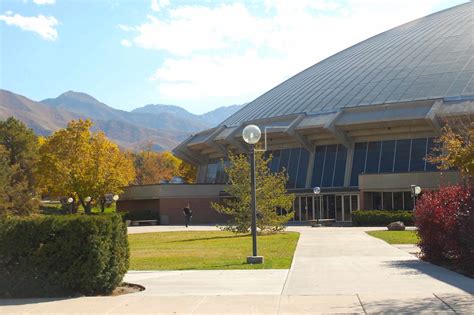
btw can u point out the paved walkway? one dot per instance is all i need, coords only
(335, 270)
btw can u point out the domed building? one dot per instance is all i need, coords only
(358, 124)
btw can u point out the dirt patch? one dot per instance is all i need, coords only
(127, 288)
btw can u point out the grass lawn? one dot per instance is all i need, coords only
(396, 237)
(208, 250)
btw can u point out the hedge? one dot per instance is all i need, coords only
(133, 215)
(49, 256)
(381, 217)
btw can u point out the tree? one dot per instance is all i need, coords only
(18, 158)
(21, 145)
(15, 195)
(455, 150)
(77, 163)
(152, 167)
(271, 195)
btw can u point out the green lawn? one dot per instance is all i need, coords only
(396, 237)
(208, 250)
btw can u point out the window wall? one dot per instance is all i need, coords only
(295, 162)
(393, 156)
(329, 166)
(215, 173)
(399, 200)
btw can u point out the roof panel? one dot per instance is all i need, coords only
(409, 62)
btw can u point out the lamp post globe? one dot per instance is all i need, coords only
(251, 134)
(317, 190)
(88, 199)
(417, 190)
(115, 197)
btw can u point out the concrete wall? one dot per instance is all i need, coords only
(201, 207)
(402, 181)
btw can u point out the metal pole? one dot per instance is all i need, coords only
(253, 202)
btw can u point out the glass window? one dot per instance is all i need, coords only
(402, 156)
(397, 201)
(377, 201)
(358, 162)
(386, 158)
(431, 146)
(302, 169)
(387, 201)
(275, 161)
(354, 203)
(340, 170)
(293, 167)
(284, 159)
(329, 163)
(418, 151)
(373, 157)
(408, 200)
(339, 208)
(347, 208)
(211, 173)
(317, 175)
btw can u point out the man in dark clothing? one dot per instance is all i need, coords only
(188, 213)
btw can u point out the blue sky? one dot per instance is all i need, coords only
(196, 54)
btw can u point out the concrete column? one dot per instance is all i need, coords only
(350, 154)
(309, 173)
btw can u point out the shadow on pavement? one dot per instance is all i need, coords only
(442, 274)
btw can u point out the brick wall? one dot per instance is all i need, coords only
(201, 207)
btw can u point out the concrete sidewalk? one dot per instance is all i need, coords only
(335, 270)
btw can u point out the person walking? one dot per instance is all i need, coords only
(188, 213)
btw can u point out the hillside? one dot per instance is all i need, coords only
(162, 125)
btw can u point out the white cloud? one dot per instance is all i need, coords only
(44, 26)
(40, 2)
(126, 42)
(157, 5)
(233, 49)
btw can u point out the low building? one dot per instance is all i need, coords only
(358, 124)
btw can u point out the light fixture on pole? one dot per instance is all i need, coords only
(115, 198)
(415, 191)
(317, 191)
(251, 135)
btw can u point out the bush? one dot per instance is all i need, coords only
(445, 221)
(46, 256)
(381, 217)
(141, 215)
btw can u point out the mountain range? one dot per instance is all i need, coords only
(162, 125)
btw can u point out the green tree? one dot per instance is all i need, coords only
(77, 163)
(18, 158)
(271, 196)
(21, 145)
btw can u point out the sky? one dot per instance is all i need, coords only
(199, 55)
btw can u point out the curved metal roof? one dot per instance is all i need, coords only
(429, 58)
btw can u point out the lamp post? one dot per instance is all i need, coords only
(70, 200)
(251, 135)
(317, 191)
(415, 191)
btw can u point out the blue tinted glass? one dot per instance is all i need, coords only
(329, 163)
(302, 169)
(431, 146)
(211, 173)
(284, 159)
(219, 173)
(340, 166)
(373, 157)
(275, 161)
(293, 167)
(386, 159)
(402, 156)
(318, 166)
(418, 152)
(358, 162)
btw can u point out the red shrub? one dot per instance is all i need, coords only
(445, 224)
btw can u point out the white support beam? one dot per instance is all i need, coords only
(431, 117)
(302, 140)
(338, 134)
